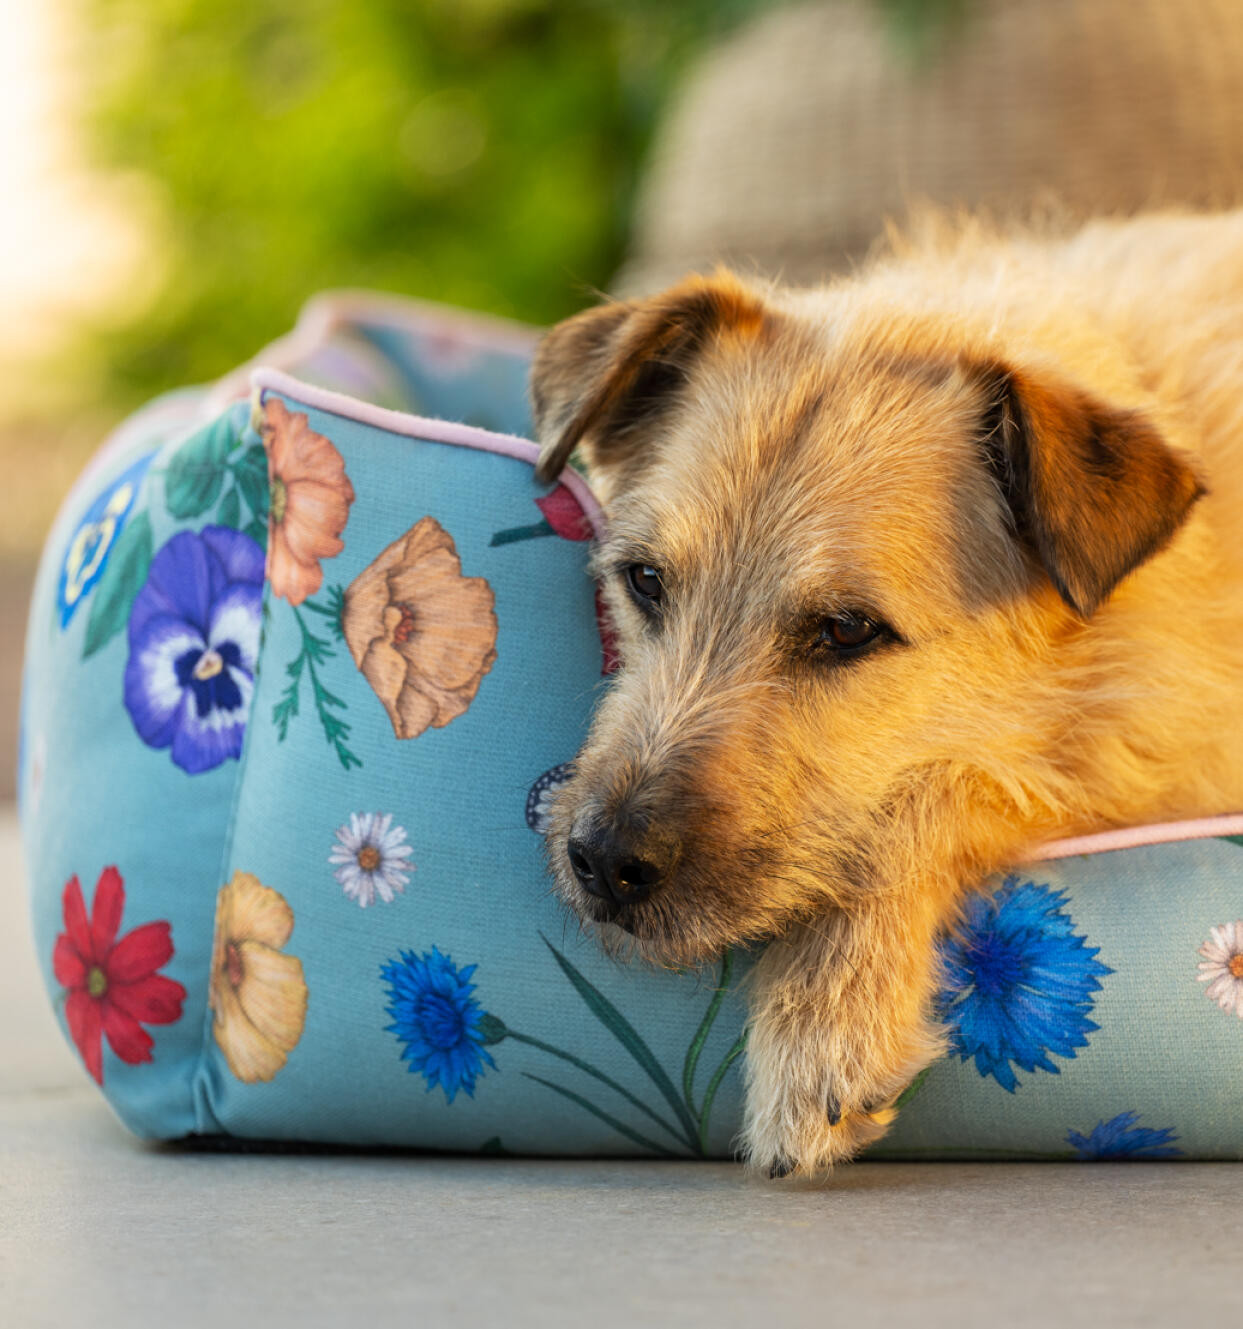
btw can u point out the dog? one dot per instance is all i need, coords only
(910, 573)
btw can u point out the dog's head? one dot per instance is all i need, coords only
(843, 544)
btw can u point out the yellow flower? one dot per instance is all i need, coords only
(421, 633)
(257, 993)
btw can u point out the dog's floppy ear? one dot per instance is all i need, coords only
(1095, 491)
(601, 374)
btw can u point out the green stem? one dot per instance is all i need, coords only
(589, 1069)
(705, 1028)
(620, 1127)
(713, 1085)
(912, 1089)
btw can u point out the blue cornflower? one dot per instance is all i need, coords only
(437, 1019)
(1018, 982)
(1121, 1138)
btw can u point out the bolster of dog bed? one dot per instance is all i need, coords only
(304, 674)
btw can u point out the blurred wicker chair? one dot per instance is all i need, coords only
(793, 141)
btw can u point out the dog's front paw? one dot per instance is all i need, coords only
(798, 1132)
(820, 1091)
(839, 1027)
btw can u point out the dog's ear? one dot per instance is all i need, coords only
(1093, 490)
(601, 375)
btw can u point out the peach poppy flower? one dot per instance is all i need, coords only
(308, 505)
(257, 993)
(421, 633)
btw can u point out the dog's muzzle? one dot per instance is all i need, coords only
(619, 867)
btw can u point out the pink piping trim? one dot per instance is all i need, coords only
(1164, 832)
(415, 426)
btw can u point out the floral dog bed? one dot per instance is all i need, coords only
(306, 664)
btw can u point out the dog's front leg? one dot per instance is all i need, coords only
(840, 1024)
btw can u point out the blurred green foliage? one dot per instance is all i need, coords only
(478, 152)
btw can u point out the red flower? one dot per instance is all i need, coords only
(563, 512)
(608, 636)
(113, 985)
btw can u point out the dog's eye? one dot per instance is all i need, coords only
(848, 633)
(645, 584)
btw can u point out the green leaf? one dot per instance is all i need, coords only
(286, 708)
(705, 1113)
(258, 532)
(705, 1028)
(628, 1036)
(229, 513)
(251, 473)
(197, 469)
(122, 580)
(588, 1069)
(516, 533)
(618, 1126)
(1234, 839)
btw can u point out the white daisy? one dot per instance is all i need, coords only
(371, 857)
(1222, 967)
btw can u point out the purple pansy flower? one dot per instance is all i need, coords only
(193, 645)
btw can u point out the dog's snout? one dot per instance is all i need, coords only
(617, 868)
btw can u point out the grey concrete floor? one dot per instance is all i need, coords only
(97, 1229)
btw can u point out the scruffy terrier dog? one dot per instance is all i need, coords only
(911, 573)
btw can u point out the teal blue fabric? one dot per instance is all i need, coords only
(466, 1012)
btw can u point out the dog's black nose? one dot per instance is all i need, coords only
(612, 867)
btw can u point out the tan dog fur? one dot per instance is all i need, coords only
(1026, 455)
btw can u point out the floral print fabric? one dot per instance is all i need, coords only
(371, 858)
(258, 995)
(421, 633)
(1019, 982)
(437, 1020)
(315, 689)
(1222, 967)
(194, 646)
(113, 986)
(310, 497)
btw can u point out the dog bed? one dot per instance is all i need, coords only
(310, 654)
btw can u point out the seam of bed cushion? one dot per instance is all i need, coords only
(205, 1120)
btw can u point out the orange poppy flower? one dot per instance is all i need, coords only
(421, 633)
(309, 502)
